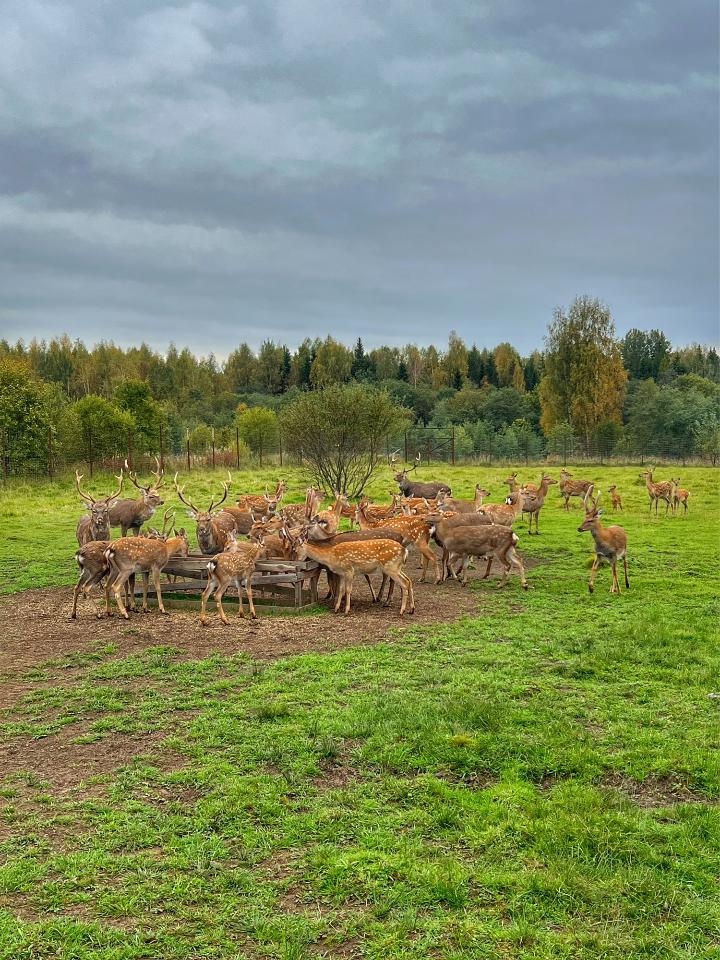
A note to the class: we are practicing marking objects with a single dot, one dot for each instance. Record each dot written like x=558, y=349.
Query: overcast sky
x=212, y=172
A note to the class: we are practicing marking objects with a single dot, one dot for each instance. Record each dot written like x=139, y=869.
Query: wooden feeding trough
x=276, y=584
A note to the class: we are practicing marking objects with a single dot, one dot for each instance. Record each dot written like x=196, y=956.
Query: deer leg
x=248, y=590
x=593, y=574
x=348, y=583
x=375, y=596
x=80, y=585
x=219, y=594
x=405, y=585
x=146, y=582
x=615, y=587
x=627, y=581
x=207, y=593
x=158, y=590
x=339, y=588
x=517, y=562
x=390, y=593
x=487, y=569
x=118, y=584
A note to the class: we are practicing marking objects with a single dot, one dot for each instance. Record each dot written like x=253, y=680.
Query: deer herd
x=422, y=516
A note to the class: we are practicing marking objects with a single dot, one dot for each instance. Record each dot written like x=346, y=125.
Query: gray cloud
x=208, y=172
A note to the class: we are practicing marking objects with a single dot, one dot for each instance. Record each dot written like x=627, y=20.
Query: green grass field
x=539, y=781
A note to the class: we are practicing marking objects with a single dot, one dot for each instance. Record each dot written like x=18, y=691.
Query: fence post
x=90, y=452
x=187, y=446
x=162, y=451
x=50, y=453
x=280, y=446
x=237, y=447
x=452, y=447
x=213, y=447
x=406, y=447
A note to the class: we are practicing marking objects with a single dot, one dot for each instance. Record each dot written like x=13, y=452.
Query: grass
x=541, y=781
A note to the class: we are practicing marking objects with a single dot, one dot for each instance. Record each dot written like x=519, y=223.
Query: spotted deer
x=145, y=555
x=679, y=495
x=132, y=514
x=302, y=512
x=610, y=545
x=261, y=504
x=213, y=525
x=415, y=530
x=95, y=525
x=574, y=488
x=335, y=511
x=485, y=542
x=362, y=556
x=532, y=501
x=466, y=506
x=662, y=490
x=235, y=565
x=616, y=498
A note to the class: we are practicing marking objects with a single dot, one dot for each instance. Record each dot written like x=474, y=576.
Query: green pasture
x=539, y=781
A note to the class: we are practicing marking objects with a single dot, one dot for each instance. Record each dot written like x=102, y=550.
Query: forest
x=587, y=392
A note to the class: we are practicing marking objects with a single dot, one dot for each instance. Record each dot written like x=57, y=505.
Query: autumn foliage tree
x=585, y=379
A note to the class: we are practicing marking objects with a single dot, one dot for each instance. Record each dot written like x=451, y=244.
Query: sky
x=215, y=172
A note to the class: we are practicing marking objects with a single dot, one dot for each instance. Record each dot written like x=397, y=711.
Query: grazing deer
x=466, y=506
x=484, y=542
x=235, y=565
x=417, y=489
x=532, y=502
x=212, y=528
x=415, y=530
x=616, y=498
x=362, y=556
x=318, y=531
x=302, y=512
x=96, y=524
x=132, y=514
x=574, y=488
x=679, y=495
x=662, y=490
x=146, y=555
x=610, y=545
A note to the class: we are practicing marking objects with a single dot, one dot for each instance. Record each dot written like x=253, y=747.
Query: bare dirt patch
x=653, y=791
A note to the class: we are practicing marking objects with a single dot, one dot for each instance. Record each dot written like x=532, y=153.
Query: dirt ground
x=35, y=627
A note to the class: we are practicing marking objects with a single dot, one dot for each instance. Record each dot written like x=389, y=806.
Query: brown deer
x=679, y=495
x=382, y=511
x=212, y=527
x=412, y=506
x=662, y=490
x=486, y=542
x=574, y=488
x=132, y=514
x=95, y=525
x=442, y=525
x=415, y=530
x=235, y=565
x=466, y=506
x=335, y=512
x=362, y=556
x=93, y=569
x=610, y=545
x=532, y=502
x=261, y=504
x=504, y=513
x=280, y=542
x=146, y=555
x=616, y=498
x=417, y=489
x=302, y=512
x=512, y=482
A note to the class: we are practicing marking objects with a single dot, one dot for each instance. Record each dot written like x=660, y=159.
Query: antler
x=114, y=496
x=85, y=496
x=416, y=464
x=226, y=487
x=133, y=477
x=169, y=515
x=158, y=474
x=179, y=491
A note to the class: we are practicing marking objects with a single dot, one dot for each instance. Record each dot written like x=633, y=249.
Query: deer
x=234, y=565
x=280, y=542
x=212, y=528
x=319, y=530
x=531, y=502
x=679, y=495
x=657, y=491
x=381, y=511
x=442, y=525
x=610, y=545
x=132, y=514
x=147, y=555
x=415, y=530
x=412, y=506
x=335, y=512
x=512, y=482
x=347, y=558
x=302, y=512
x=574, y=488
x=486, y=542
x=616, y=498
x=93, y=569
x=466, y=506
x=95, y=525
x=262, y=504
x=417, y=489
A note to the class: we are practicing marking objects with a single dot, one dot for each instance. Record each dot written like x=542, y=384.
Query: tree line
x=586, y=390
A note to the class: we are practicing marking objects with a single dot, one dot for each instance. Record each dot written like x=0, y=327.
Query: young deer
x=95, y=525
x=132, y=514
x=333, y=514
x=235, y=565
x=574, y=488
x=212, y=528
x=467, y=506
x=532, y=502
x=484, y=542
x=145, y=555
x=616, y=498
x=302, y=512
x=368, y=556
x=662, y=490
x=415, y=530
x=610, y=545
x=383, y=511
x=679, y=495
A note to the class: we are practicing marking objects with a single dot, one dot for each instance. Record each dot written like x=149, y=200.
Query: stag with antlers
x=610, y=545
x=417, y=488
x=132, y=514
x=95, y=525
x=213, y=525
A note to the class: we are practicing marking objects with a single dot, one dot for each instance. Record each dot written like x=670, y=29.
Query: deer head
x=99, y=509
x=150, y=493
x=203, y=518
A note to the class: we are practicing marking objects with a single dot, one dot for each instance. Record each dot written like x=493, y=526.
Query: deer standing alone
x=132, y=514
x=95, y=525
x=616, y=498
x=610, y=545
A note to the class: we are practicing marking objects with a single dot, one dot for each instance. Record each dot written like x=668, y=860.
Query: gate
x=430, y=443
